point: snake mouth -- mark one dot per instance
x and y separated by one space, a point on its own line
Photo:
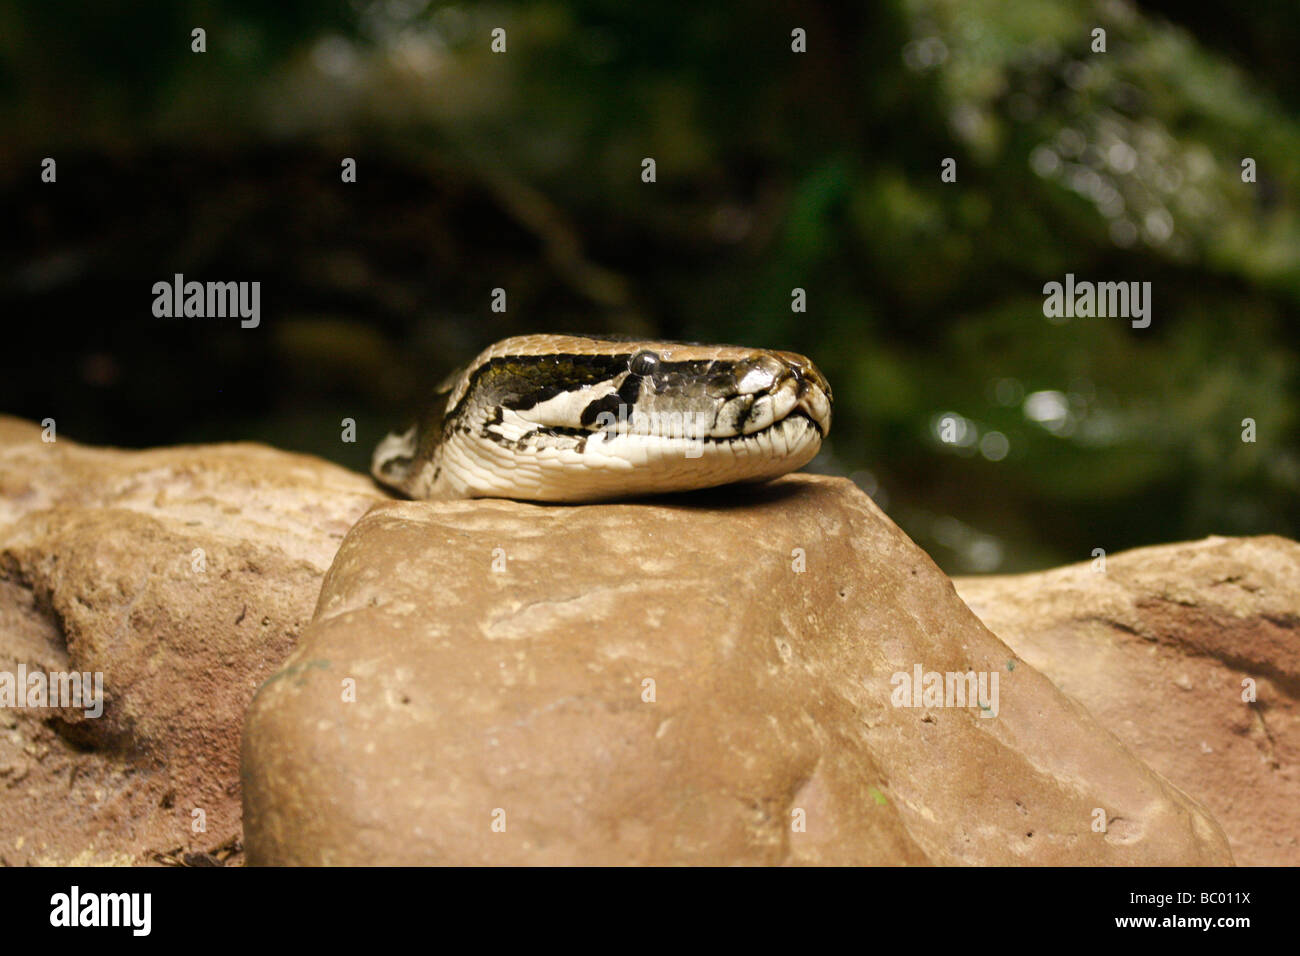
802 414
758 416
770 397
814 402
807 416
687 436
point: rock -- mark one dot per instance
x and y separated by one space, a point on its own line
1158 647
491 682
184 575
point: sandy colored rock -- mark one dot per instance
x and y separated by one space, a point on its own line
1158 646
473 663
184 575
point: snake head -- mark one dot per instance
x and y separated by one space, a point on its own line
573 418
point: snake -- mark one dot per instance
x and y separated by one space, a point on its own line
578 418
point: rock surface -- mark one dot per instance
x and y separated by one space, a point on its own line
1158 647
184 575
500 683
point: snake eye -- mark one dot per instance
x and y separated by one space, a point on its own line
643 363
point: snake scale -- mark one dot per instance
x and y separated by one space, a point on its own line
571 418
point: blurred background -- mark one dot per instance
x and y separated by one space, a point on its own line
775 170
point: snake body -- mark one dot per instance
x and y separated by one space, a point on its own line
575 418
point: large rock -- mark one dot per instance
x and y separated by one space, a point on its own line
476 688
1161 646
182 575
